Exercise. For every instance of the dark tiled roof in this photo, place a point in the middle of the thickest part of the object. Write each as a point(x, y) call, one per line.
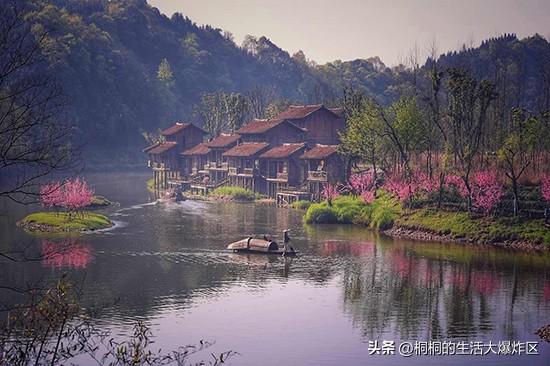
point(246, 149)
point(149, 148)
point(320, 152)
point(282, 151)
point(223, 140)
point(258, 126)
point(200, 149)
point(179, 126)
point(263, 125)
point(298, 111)
point(159, 148)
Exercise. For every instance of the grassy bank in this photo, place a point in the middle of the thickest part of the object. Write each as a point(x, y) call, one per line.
point(61, 222)
point(386, 214)
point(485, 229)
point(234, 194)
point(380, 214)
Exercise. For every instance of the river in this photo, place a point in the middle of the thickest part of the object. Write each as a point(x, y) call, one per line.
point(165, 264)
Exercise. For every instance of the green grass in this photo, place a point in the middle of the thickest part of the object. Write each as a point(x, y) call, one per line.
point(58, 222)
point(150, 184)
point(235, 193)
point(481, 229)
point(100, 201)
point(379, 214)
point(301, 205)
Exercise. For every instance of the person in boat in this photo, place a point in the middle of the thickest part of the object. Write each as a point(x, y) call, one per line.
point(286, 243)
point(248, 242)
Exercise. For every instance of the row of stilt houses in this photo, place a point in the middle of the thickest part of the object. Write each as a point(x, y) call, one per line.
point(289, 157)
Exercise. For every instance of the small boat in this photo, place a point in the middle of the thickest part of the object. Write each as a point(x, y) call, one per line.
point(172, 196)
point(260, 246)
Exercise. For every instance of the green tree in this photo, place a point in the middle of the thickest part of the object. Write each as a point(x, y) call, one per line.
point(362, 138)
point(516, 153)
point(469, 100)
point(164, 73)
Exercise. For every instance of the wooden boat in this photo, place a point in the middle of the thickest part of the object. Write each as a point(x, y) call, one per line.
point(259, 246)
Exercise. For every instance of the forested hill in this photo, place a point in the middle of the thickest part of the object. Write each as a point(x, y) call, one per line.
point(127, 69)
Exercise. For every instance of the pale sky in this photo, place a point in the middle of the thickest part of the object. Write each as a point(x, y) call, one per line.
point(327, 30)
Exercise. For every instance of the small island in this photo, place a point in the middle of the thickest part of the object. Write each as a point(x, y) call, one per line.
point(64, 222)
point(67, 201)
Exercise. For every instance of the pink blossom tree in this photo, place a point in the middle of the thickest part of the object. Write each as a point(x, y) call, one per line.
point(487, 191)
point(401, 187)
point(77, 194)
point(330, 191)
point(364, 185)
point(456, 182)
point(73, 195)
point(51, 195)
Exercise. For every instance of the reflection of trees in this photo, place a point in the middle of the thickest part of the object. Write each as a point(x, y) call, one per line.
point(396, 290)
point(67, 253)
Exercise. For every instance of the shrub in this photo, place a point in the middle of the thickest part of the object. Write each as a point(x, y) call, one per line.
point(237, 193)
point(348, 214)
point(320, 213)
point(301, 205)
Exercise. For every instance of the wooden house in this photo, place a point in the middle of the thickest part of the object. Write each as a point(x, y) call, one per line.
point(186, 135)
point(217, 165)
point(194, 160)
point(322, 125)
point(274, 132)
point(243, 165)
point(164, 155)
point(281, 167)
point(323, 165)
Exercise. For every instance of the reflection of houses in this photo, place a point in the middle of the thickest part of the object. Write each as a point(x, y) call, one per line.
point(323, 165)
point(244, 165)
point(292, 154)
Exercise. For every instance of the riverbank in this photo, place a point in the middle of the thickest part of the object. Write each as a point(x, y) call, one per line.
point(386, 215)
point(62, 222)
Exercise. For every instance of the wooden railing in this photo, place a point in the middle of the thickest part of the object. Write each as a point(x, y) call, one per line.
point(244, 171)
point(282, 176)
point(156, 165)
point(215, 165)
point(317, 175)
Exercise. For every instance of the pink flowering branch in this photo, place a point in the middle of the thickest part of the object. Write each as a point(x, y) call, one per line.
point(330, 191)
point(487, 191)
point(73, 194)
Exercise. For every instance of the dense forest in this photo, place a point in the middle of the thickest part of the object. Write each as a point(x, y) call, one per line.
point(127, 69)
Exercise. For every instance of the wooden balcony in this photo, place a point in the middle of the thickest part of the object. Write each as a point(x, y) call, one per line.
point(280, 177)
point(216, 166)
point(157, 166)
point(249, 172)
point(317, 175)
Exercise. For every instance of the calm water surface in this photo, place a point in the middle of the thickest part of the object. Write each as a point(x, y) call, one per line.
point(165, 264)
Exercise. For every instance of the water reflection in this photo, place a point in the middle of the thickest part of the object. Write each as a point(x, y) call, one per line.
point(168, 266)
point(65, 253)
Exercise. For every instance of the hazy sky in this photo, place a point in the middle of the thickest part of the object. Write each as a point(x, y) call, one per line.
point(327, 30)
